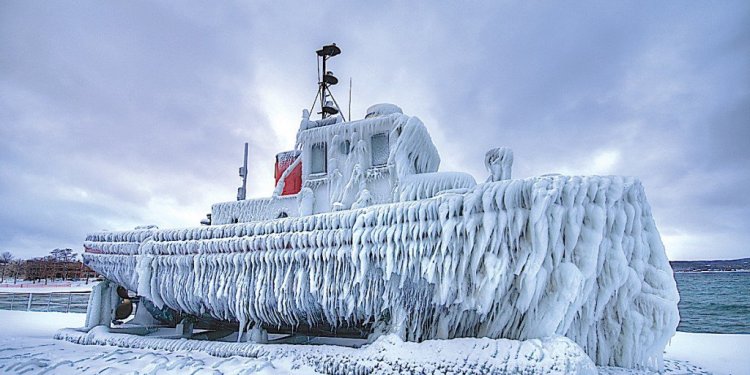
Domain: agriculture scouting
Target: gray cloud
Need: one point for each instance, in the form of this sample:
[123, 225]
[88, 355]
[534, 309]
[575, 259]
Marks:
[115, 115]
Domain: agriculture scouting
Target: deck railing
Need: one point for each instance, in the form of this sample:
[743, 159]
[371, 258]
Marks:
[66, 302]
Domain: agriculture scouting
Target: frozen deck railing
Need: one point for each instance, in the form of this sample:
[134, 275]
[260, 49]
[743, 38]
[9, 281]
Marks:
[66, 302]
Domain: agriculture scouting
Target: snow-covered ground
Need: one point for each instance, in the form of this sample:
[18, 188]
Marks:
[719, 353]
[27, 347]
[51, 287]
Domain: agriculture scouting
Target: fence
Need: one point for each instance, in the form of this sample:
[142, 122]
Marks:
[26, 284]
[67, 302]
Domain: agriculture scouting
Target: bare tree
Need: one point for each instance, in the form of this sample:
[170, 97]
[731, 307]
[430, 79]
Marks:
[58, 263]
[5, 258]
[63, 255]
[17, 266]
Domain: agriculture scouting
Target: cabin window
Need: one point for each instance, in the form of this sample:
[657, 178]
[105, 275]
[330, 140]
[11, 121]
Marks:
[344, 147]
[379, 147]
[318, 158]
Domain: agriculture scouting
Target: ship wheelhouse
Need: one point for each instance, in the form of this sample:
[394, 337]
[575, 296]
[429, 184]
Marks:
[339, 165]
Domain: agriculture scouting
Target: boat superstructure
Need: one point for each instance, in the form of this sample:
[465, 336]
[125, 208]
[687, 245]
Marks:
[363, 234]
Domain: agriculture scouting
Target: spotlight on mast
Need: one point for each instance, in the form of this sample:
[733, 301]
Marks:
[328, 104]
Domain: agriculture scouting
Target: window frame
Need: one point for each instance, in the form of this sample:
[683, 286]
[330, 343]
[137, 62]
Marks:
[324, 147]
[386, 136]
[345, 147]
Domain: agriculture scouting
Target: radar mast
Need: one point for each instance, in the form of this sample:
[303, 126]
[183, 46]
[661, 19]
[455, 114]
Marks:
[326, 79]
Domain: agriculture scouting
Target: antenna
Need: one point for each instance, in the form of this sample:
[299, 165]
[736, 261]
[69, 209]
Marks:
[327, 79]
[242, 190]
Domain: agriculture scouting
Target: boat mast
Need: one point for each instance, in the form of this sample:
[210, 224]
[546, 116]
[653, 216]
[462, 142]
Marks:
[327, 79]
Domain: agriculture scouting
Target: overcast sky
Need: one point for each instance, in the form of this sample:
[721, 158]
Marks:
[117, 114]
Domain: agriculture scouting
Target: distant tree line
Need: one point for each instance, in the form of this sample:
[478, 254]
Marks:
[722, 265]
[60, 264]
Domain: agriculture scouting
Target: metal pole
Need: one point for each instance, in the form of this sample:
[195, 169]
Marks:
[28, 305]
[337, 104]
[323, 89]
[244, 177]
[312, 107]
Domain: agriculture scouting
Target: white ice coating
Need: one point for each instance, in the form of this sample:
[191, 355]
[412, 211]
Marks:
[382, 109]
[411, 149]
[254, 209]
[102, 303]
[427, 185]
[498, 162]
[518, 259]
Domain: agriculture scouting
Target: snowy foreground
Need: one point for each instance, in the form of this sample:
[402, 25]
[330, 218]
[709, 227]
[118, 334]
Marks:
[8, 286]
[27, 347]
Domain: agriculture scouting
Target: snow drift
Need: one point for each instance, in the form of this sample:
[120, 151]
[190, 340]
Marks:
[518, 259]
[387, 355]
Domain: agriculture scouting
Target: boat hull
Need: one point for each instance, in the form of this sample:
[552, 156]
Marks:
[518, 259]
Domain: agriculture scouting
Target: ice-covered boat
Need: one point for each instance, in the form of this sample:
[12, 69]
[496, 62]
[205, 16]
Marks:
[363, 233]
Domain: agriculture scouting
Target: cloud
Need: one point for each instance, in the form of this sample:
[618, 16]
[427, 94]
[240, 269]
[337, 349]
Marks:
[115, 115]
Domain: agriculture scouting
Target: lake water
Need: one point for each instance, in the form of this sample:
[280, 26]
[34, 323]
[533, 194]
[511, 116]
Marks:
[714, 302]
